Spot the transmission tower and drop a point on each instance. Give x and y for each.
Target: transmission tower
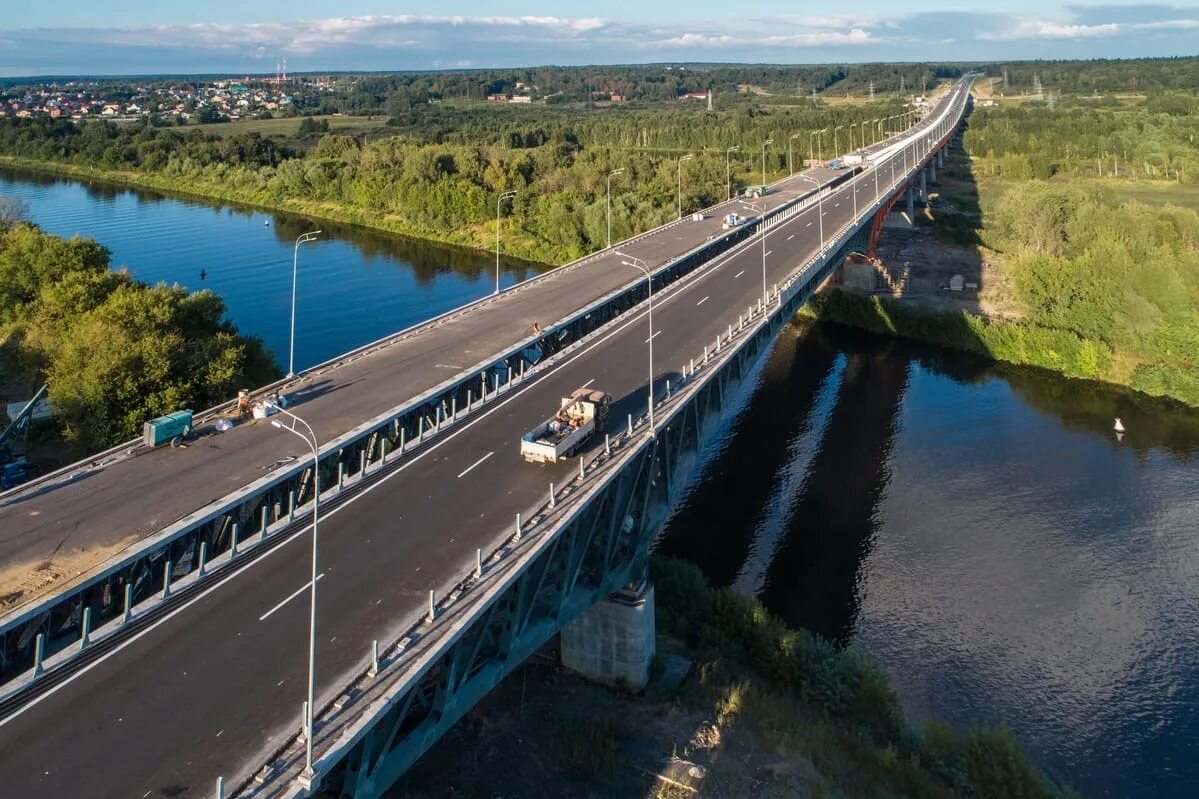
(872, 91)
(1038, 91)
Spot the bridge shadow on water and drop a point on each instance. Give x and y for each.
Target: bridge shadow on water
(788, 510)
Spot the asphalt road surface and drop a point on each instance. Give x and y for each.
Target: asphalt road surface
(204, 690)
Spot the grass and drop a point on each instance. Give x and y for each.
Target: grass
(286, 127)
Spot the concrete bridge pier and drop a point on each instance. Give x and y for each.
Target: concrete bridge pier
(923, 186)
(613, 642)
(932, 173)
(911, 204)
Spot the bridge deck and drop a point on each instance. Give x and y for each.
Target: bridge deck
(211, 688)
(53, 531)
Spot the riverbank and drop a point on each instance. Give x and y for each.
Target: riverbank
(1066, 276)
(478, 239)
(765, 711)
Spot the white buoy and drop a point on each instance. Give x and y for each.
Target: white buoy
(1119, 426)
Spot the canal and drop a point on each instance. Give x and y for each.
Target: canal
(977, 527)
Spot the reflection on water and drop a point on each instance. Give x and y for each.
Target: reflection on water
(355, 285)
(981, 531)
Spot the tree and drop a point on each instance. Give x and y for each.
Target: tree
(13, 210)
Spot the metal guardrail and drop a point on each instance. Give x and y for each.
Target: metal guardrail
(43, 636)
(344, 723)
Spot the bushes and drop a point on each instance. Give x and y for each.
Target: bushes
(806, 674)
(115, 351)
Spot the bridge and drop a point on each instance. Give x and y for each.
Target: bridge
(178, 663)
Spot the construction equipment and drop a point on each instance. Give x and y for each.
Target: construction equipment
(581, 415)
(174, 427)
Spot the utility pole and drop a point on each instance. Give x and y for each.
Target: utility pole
(872, 91)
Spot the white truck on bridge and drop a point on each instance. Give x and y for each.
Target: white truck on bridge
(560, 436)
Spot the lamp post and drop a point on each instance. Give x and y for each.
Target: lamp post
(761, 211)
(819, 207)
(682, 158)
(310, 440)
(790, 163)
(817, 134)
(611, 174)
(637, 263)
(728, 173)
(851, 127)
(508, 195)
(295, 259)
(765, 144)
(835, 129)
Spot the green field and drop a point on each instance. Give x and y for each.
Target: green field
(285, 128)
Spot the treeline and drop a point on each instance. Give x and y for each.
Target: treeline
(396, 93)
(115, 351)
(1156, 139)
(1135, 75)
(439, 175)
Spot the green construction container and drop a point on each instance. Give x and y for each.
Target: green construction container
(173, 427)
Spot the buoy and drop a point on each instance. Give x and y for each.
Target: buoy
(1119, 426)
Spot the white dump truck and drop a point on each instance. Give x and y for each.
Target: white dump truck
(731, 221)
(581, 415)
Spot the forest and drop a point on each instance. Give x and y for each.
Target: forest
(439, 174)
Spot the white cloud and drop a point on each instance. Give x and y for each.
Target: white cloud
(855, 36)
(1049, 29)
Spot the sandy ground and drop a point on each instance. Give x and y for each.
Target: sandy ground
(546, 732)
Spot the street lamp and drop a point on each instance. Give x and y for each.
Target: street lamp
(761, 211)
(295, 258)
(682, 158)
(508, 195)
(764, 146)
(637, 263)
(790, 163)
(835, 129)
(611, 174)
(817, 134)
(819, 207)
(728, 174)
(310, 440)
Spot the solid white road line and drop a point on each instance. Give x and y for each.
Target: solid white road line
(701, 302)
(589, 382)
(707, 271)
(473, 465)
(654, 336)
(298, 591)
(791, 237)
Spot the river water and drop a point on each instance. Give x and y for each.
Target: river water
(977, 527)
(355, 285)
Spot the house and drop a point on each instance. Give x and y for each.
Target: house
(521, 98)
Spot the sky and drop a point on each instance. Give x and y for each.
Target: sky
(73, 37)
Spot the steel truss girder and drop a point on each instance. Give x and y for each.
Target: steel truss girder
(603, 547)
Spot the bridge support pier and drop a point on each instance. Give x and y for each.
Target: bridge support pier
(924, 186)
(932, 171)
(911, 204)
(613, 642)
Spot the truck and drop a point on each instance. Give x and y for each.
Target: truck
(853, 159)
(731, 221)
(836, 163)
(577, 420)
(757, 191)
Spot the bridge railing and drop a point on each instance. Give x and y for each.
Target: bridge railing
(590, 534)
(133, 588)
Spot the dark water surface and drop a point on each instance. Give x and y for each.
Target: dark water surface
(979, 529)
(355, 285)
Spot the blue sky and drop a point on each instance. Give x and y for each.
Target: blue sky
(102, 36)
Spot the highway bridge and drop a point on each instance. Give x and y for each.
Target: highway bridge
(179, 664)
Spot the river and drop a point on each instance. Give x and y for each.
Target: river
(354, 285)
(977, 527)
